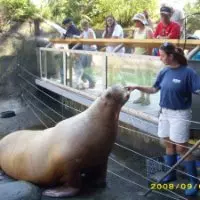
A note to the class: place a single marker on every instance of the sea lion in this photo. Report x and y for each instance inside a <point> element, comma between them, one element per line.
<point>58,155</point>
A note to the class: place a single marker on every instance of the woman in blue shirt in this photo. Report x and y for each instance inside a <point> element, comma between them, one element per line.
<point>176,83</point>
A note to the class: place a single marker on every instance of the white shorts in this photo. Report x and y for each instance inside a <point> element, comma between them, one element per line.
<point>175,124</point>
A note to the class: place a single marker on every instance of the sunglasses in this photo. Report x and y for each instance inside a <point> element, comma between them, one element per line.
<point>166,44</point>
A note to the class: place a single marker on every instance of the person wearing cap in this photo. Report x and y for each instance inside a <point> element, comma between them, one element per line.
<point>71,32</point>
<point>142,32</point>
<point>71,29</point>
<point>176,83</point>
<point>167,29</point>
<point>113,30</point>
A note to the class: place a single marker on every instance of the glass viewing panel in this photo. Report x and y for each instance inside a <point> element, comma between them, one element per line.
<point>132,70</point>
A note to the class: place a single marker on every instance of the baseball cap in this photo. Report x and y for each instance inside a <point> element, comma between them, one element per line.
<point>165,10</point>
<point>140,17</point>
<point>67,20</point>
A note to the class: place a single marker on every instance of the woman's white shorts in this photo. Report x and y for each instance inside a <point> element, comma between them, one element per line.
<point>175,124</point>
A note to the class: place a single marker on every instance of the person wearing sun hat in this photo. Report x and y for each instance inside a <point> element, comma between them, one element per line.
<point>142,32</point>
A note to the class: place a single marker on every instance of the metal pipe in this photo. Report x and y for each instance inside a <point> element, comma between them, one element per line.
<point>64,68</point>
<point>45,64</point>
<point>40,55</point>
<point>193,52</point>
<point>106,71</point>
<point>76,46</point>
<point>117,48</point>
<point>177,164</point>
<point>49,45</point>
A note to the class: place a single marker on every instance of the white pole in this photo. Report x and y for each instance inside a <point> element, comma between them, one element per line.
<point>64,68</point>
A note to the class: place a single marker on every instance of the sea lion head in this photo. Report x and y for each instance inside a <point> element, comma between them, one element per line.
<point>116,95</point>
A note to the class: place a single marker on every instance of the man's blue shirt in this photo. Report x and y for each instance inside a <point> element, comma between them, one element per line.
<point>72,30</point>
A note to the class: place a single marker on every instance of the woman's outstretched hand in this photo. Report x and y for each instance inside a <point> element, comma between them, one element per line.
<point>131,88</point>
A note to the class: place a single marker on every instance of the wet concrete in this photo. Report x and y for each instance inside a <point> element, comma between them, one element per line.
<point>19,190</point>
<point>24,118</point>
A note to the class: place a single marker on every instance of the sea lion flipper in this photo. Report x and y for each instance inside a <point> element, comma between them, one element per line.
<point>62,191</point>
<point>70,188</point>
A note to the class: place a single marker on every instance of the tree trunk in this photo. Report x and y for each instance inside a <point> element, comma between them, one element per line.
<point>37,27</point>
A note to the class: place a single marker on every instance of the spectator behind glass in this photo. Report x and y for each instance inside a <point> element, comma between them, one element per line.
<point>88,33</point>
<point>86,60</point>
<point>142,32</point>
<point>167,29</point>
<point>71,31</point>
<point>113,30</point>
<point>70,27</point>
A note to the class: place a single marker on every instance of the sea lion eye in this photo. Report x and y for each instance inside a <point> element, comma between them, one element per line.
<point>108,95</point>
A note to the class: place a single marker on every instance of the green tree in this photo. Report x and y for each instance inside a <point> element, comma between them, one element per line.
<point>61,9</point>
<point>97,10</point>
<point>123,10</point>
<point>93,10</point>
<point>18,10</point>
<point>193,19</point>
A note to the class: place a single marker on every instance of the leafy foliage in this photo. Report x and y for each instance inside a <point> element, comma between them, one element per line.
<point>123,10</point>
<point>17,10</point>
<point>93,10</point>
<point>193,19</point>
<point>97,10</point>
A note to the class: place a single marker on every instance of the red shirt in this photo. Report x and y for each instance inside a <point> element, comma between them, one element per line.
<point>172,30</point>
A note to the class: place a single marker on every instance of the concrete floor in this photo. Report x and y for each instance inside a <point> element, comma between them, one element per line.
<point>117,188</point>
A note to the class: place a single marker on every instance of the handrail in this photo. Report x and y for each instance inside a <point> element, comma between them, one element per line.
<point>117,48</point>
<point>128,42</point>
<point>193,52</point>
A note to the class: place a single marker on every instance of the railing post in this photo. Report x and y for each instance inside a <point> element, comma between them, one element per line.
<point>64,68</point>
<point>69,66</point>
<point>105,73</point>
<point>45,64</point>
<point>40,58</point>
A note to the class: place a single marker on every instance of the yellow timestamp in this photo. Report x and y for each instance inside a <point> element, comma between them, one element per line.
<point>171,186</point>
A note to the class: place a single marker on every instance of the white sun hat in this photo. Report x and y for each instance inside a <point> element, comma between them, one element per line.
<point>140,17</point>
